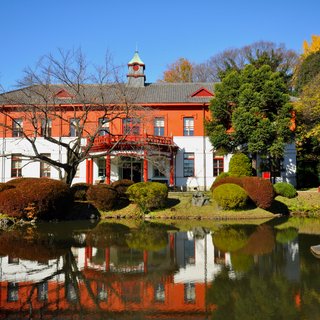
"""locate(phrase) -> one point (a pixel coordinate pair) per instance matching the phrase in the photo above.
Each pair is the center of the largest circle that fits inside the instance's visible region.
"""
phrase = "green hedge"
(285, 189)
(240, 165)
(230, 196)
(148, 195)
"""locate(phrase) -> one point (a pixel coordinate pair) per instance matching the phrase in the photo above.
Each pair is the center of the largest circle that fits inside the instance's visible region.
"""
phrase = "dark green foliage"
(148, 195)
(79, 191)
(285, 189)
(259, 190)
(230, 196)
(240, 165)
(251, 111)
(41, 198)
(308, 69)
(121, 186)
(102, 196)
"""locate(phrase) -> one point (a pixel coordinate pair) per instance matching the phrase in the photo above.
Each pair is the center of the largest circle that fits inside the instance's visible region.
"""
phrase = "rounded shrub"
(230, 196)
(5, 186)
(121, 187)
(102, 196)
(41, 198)
(259, 190)
(148, 195)
(224, 180)
(285, 189)
(240, 165)
(79, 191)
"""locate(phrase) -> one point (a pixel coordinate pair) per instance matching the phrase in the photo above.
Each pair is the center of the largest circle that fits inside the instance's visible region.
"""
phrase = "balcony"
(121, 142)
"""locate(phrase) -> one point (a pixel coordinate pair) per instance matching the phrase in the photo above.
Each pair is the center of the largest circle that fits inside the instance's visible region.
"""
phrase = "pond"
(127, 270)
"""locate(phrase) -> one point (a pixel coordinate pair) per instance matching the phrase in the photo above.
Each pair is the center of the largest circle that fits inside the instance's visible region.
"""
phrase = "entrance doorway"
(131, 169)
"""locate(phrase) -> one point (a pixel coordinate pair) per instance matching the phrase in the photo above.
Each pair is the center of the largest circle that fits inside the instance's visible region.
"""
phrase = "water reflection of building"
(171, 282)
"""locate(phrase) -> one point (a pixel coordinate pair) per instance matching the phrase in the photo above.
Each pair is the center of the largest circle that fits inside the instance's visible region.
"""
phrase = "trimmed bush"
(41, 198)
(228, 179)
(103, 196)
(4, 186)
(285, 189)
(148, 195)
(240, 165)
(259, 190)
(79, 191)
(121, 187)
(230, 196)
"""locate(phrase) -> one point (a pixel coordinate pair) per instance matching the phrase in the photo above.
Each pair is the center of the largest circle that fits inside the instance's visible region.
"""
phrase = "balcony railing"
(109, 141)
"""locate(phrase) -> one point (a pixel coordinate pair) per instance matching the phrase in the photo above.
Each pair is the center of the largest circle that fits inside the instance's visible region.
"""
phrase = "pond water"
(119, 270)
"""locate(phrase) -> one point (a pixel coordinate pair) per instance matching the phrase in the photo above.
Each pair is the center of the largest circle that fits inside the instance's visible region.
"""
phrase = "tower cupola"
(136, 76)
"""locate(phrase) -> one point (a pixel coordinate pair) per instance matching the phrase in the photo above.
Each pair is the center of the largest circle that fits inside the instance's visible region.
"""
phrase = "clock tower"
(136, 76)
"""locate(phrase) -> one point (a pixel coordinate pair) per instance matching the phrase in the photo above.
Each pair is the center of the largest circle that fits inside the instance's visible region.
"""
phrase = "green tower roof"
(136, 59)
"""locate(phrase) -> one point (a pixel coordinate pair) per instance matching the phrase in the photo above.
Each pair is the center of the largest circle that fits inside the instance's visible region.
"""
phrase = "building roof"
(151, 93)
(136, 59)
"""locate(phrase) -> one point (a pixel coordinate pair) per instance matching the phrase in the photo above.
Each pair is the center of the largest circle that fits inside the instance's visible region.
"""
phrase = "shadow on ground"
(278, 207)
(172, 202)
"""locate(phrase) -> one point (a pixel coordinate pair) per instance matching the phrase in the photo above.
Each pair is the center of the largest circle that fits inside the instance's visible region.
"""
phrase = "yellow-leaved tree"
(314, 46)
(179, 71)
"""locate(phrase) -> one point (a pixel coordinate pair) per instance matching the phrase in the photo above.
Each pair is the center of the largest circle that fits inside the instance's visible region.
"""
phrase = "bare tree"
(66, 90)
(261, 52)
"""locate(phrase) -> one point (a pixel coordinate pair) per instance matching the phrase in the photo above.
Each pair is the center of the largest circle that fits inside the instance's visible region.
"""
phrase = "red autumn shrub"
(121, 186)
(220, 181)
(259, 190)
(4, 186)
(103, 196)
(79, 191)
(42, 198)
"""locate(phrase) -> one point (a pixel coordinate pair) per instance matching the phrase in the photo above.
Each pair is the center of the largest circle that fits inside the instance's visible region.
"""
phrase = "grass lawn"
(179, 206)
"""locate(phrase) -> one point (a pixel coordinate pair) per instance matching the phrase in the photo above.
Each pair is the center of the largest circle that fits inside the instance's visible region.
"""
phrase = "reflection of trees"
(254, 297)
(230, 239)
(286, 235)
(108, 234)
(148, 236)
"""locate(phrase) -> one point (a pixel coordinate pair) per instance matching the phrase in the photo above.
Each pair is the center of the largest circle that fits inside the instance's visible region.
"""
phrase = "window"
(101, 167)
(188, 164)
(104, 125)
(217, 166)
(71, 293)
(13, 292)
(131, 126)
(188, 126)
(16, 166)
(159, 126)
(102, 292)
(158, 173)
(46, 126)
(45, 168)
(74, 127)
(189, 293)
(17, 127)
(13, 260)
(42, 289)
(159, 293)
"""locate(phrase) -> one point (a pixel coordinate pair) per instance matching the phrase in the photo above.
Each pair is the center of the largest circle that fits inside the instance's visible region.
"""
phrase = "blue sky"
(164, 30)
